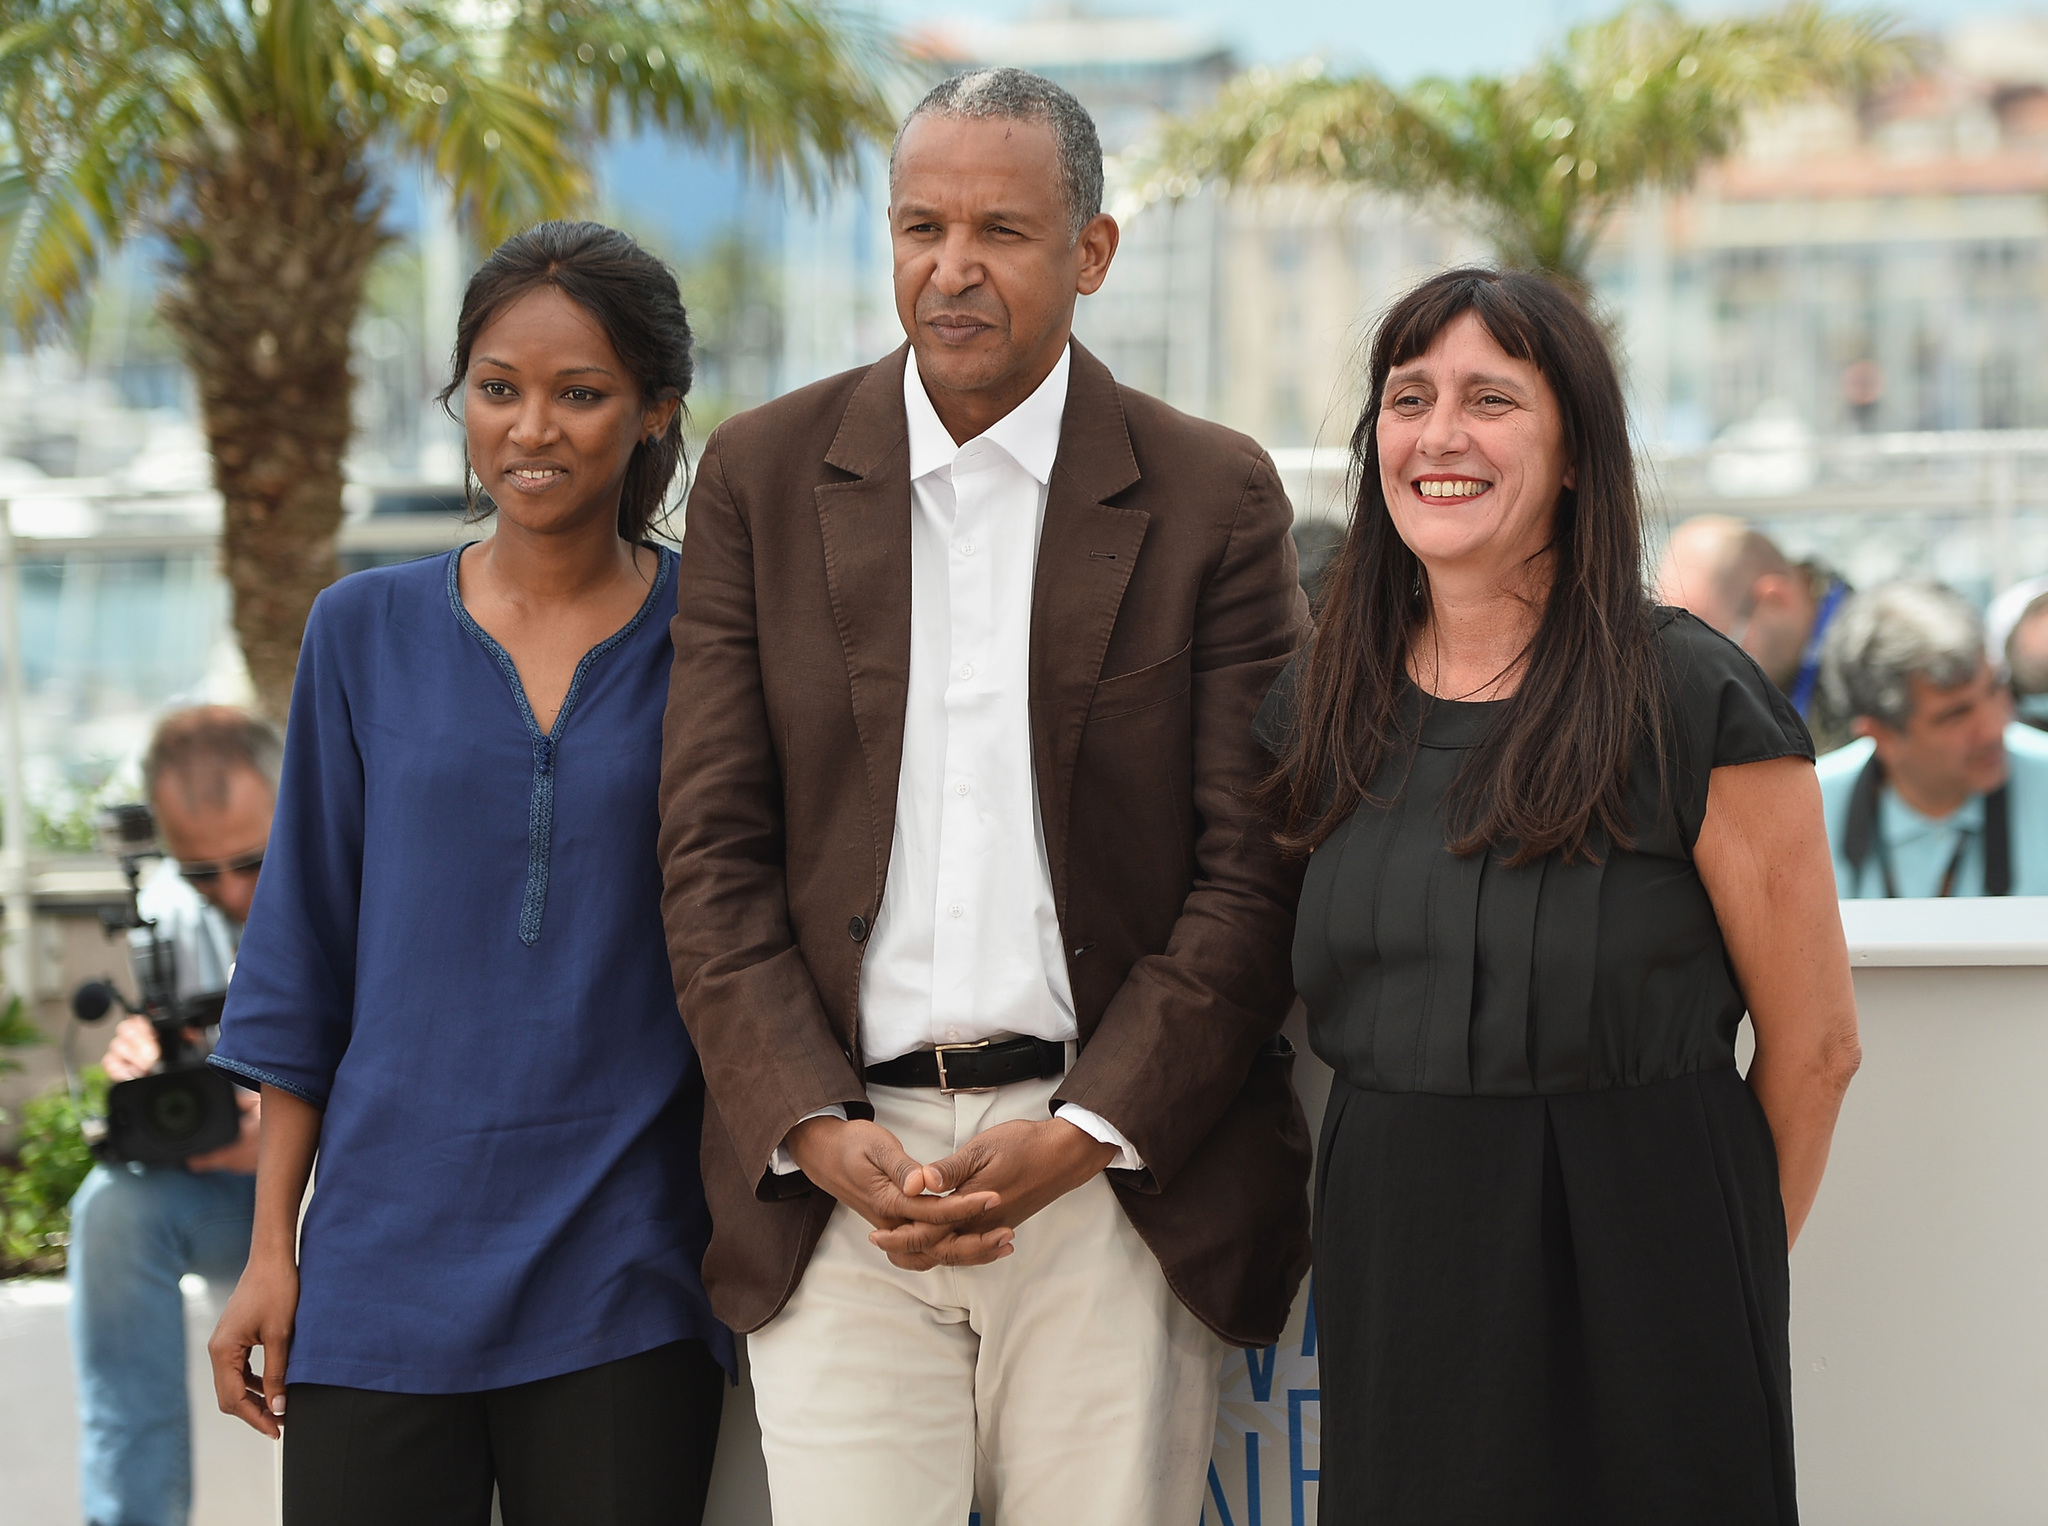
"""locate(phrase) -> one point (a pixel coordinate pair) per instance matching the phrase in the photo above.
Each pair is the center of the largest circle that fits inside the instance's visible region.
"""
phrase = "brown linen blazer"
(1164, 604)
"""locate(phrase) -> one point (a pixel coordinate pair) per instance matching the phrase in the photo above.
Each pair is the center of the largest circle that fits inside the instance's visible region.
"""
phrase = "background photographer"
(1943, 794)
(210, 776)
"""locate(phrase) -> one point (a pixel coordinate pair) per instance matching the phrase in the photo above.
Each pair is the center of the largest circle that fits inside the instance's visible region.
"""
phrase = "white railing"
(1969, 507)
(1975, 469)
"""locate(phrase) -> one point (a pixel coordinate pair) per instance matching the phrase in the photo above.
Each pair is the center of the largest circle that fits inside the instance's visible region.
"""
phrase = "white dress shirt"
(966, 944)
(202, 939)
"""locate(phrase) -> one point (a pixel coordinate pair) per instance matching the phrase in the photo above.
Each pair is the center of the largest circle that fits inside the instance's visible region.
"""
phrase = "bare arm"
(266, 1300)
(241, 1155)
(1763, 855)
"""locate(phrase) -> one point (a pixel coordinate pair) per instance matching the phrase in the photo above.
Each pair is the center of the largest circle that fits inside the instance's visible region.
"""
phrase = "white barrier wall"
(1919, 1288)
(1269, 1423)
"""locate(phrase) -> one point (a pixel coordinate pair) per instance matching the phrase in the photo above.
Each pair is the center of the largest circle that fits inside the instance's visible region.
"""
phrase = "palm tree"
(1537, 161)
(248, 136)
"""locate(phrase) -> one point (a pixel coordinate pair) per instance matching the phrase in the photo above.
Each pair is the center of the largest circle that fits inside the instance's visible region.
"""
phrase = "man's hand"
(241, 1155)
(863, 1165)
(134, 1051)
(1023, 1166)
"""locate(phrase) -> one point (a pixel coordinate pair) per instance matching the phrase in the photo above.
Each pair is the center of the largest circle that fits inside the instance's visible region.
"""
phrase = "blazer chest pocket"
(1144, 687)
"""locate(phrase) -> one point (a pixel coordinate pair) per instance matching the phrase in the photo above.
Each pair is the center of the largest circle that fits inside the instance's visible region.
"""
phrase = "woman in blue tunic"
(454, 986)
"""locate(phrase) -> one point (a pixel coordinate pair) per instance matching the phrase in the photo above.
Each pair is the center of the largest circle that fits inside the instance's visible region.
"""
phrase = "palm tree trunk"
(268, 260)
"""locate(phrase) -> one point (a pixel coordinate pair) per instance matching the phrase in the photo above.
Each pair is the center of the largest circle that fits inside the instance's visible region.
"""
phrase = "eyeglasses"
(200, 875)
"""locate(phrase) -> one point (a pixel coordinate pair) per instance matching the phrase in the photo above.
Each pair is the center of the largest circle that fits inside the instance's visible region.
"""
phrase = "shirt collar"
(1902, 824)
(1028, 434)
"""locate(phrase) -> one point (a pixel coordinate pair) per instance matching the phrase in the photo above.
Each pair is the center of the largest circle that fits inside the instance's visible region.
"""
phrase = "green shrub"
(16, 1032)
(51, 1159)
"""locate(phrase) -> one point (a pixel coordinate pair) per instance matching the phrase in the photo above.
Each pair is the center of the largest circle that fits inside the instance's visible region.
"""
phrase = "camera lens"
(176, 1113)
(169, 1117)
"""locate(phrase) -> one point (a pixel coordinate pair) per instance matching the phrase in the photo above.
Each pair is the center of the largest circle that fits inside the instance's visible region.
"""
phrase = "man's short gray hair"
(1014, 95)
(1892, 634)
(200, 748)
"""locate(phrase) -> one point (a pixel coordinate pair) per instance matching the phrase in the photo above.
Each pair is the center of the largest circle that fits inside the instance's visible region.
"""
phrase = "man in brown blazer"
(981, 943)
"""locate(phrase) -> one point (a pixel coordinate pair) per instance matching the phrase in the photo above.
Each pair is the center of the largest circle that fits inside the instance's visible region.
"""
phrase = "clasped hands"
(960, 1211)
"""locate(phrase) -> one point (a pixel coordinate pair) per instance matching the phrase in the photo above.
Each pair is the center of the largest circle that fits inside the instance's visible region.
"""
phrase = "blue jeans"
(134, 1233)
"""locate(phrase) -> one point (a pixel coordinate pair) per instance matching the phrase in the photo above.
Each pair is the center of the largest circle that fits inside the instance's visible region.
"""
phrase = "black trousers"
(628, 1443)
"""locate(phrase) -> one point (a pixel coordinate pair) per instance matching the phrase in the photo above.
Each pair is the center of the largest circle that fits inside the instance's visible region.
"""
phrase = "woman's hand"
(261, 1312)
(1763, 855)
(266, 1301)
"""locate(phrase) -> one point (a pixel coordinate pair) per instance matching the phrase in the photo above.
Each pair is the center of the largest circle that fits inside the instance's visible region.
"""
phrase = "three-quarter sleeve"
(1724, 710)
(291, 1002)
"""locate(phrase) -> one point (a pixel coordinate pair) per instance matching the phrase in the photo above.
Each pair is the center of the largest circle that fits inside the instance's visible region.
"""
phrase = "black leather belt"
(973, 1067)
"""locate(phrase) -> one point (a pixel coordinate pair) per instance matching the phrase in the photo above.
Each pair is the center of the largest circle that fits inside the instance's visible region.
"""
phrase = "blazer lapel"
(1086, 553)
(865, 526)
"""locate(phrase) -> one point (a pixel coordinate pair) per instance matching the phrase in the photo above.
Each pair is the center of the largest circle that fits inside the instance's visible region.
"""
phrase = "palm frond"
(795, 87)
(1537, 161)
(1272, 126)
(510, 156)
(303, 53)
(93, 102)
(501, 98)
(76, 211)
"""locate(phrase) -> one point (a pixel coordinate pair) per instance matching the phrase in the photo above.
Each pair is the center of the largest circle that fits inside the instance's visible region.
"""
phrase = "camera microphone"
(94, 1000)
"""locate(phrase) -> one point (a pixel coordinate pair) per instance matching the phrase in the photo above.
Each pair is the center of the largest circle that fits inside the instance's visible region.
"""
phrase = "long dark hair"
(635, 300)
(1552, 774)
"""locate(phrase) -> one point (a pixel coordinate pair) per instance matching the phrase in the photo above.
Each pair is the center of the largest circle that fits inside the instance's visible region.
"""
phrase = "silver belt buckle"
(946, 1088)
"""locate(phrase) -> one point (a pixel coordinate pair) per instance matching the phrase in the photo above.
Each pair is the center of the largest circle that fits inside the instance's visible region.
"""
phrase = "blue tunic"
(456, 952)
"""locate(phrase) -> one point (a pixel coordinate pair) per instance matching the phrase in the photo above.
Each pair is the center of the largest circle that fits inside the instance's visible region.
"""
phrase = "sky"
(1400, 39)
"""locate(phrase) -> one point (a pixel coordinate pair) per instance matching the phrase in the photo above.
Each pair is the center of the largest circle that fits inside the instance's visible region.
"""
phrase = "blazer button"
(857, 929)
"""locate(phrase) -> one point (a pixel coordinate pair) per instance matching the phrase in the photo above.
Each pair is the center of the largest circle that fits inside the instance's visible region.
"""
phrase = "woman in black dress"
(1562, 839)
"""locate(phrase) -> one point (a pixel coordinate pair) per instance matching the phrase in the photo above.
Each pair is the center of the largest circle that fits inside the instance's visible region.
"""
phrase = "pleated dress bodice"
(1427, 971)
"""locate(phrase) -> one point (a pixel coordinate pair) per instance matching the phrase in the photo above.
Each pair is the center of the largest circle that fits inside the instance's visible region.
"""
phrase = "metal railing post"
(2005, 492)
(18, 958)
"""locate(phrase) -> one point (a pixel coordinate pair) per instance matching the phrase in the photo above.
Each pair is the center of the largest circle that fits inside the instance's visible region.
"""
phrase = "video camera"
(184, 1108)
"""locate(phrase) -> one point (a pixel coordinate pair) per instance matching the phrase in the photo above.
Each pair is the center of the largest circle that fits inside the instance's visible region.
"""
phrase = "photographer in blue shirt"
(1942, 793)
(210, 776)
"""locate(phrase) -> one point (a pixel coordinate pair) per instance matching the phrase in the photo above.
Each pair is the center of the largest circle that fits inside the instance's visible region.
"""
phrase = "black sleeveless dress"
(1550, 1276)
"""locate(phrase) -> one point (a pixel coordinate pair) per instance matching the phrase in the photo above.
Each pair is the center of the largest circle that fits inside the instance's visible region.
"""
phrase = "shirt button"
(956, 910)
(967, 671)
(960, 788)
(967, 548)
(952, 1035)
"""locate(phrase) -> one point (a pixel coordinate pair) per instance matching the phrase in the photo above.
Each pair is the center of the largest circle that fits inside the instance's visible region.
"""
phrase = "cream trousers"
(1064, 1385)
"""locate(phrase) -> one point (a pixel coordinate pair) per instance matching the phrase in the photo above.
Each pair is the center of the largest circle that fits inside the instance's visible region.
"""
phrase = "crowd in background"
(1929, 718)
